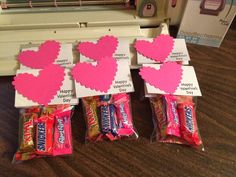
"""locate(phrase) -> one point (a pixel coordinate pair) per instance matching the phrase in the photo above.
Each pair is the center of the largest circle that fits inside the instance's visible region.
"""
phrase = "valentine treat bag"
(45, 97)
(44, 131)
(172, 87)
(105, 90)
(108, 117)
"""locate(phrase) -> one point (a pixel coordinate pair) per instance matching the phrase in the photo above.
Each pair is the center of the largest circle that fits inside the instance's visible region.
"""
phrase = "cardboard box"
(206, 22)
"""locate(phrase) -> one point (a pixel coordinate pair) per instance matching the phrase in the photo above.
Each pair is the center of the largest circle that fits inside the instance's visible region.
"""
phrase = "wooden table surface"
(216, 114)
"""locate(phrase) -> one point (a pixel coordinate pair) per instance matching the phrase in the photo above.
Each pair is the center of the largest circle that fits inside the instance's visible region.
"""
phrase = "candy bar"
(159, 116)
(44, 135)
(27, 132)
(113, 120)
(26, 149)
(62, 134)
(122, 104)
(90, 107)
(173, 125)
(105, 116)
(105, 119)
(188, 124)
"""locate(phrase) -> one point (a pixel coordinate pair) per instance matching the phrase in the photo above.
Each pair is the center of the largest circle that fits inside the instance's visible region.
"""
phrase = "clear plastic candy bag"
(108, 117)
(174, 120)
(44, 131)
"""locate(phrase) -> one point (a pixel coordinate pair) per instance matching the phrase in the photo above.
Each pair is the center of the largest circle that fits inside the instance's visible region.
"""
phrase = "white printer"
(28, 22)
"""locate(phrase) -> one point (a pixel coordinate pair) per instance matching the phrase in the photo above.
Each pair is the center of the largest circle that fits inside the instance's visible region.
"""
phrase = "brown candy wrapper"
(91, 118)
(159, 117)
(26, 148)
(26, 130)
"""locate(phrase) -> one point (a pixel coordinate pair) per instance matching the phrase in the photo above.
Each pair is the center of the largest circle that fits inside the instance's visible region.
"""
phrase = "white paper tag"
(66, 95)
(121, 84)
(188, 86)
(179, 53)
(122, 51)
(64, 59)
(146, 94)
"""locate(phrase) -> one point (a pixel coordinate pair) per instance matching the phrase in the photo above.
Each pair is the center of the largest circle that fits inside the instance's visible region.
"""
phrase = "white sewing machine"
(25, 22)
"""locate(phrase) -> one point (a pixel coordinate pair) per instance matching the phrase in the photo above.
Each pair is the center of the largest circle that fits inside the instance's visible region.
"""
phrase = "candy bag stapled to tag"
(108, 117)
(44, 131)
(171, 121)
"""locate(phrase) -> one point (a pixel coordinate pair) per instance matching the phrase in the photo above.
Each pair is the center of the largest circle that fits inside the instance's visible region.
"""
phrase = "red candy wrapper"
(62, 134)
(44, 135)
(173, 125)
(189, 128)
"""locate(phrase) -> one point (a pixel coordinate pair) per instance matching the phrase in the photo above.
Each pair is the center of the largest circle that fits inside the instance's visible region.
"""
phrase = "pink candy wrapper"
(173, 125)
(62, 134)
(122, 104)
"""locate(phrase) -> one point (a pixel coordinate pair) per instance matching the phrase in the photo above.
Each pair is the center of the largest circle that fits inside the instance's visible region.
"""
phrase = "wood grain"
(216, 113)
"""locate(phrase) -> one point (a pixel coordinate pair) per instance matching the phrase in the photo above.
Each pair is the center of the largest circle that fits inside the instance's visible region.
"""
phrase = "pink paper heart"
(167, 78)
(158, 50)
(99, 77)
(41, 88)
(105, 47)
(46, 55)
